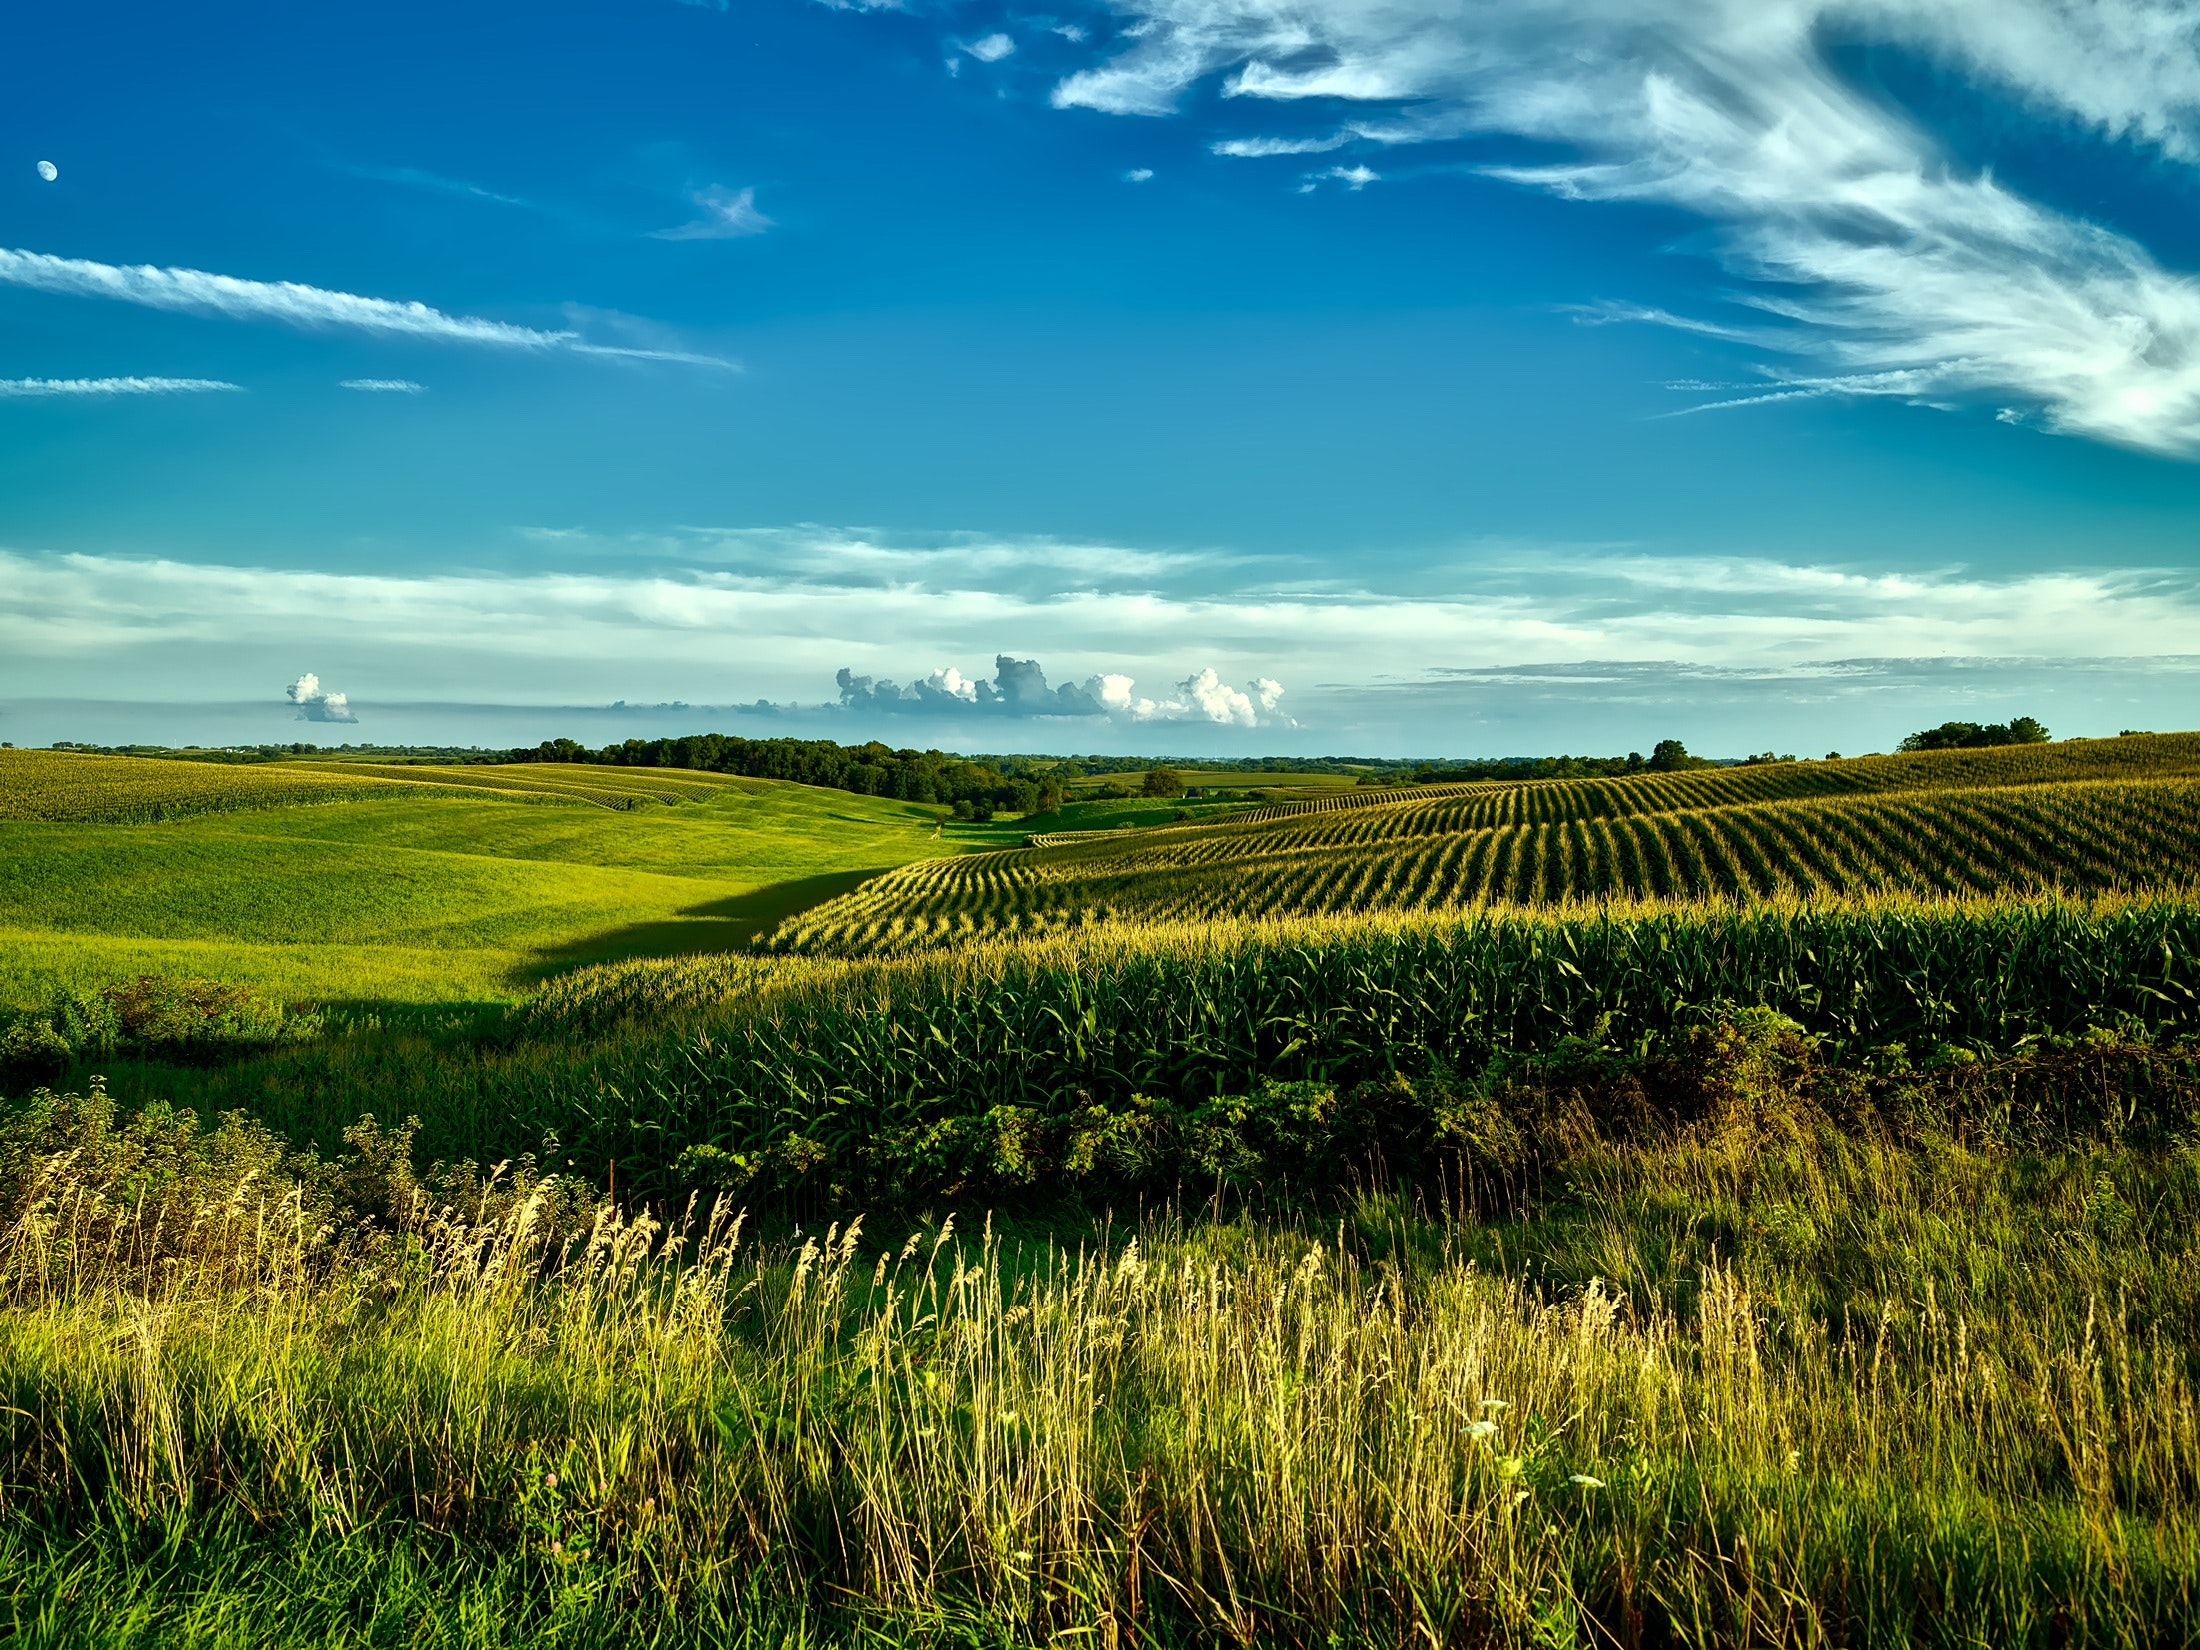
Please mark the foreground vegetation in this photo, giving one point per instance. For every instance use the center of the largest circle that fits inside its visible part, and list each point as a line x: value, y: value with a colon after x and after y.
x: 1756, y: 1375
x: 1760, y: 1269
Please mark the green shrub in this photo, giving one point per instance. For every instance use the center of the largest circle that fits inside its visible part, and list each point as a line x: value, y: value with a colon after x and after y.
x: 152, y: 1016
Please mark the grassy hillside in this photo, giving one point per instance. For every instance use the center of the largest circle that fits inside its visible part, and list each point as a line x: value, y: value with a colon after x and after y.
x: 405, y: 883
x: 2083, y: 816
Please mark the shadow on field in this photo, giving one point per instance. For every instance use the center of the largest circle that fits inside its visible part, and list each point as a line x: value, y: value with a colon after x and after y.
x: 720, y: 925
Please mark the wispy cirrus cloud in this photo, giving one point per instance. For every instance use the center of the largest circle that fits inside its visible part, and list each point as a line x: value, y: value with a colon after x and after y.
x: 291, y: 303
x: 311, y: 308
x: 1897, y: 260
x: 728, y: 214
x: 20, y: 388
x: 1261, y: 148
x: 383, y: 386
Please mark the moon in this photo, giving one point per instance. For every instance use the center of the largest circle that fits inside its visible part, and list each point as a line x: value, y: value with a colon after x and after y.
x: 48, y: 170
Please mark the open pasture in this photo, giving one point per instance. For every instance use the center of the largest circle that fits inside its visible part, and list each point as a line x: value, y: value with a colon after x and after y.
x: 406, y: 882
x: 2082, y: 817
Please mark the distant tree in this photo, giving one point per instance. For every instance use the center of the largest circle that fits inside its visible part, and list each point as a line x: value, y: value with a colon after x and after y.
x: 1023, y: 797
x: 1667, y: 755
x: 1959, y: 736
x: 1164, y: 782
x: 963, y: 809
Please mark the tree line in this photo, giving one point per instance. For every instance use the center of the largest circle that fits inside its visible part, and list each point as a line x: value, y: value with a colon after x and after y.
x: 973, y: 787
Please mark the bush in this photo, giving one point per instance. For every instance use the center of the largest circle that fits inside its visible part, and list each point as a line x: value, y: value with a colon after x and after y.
x: 184, y: 1020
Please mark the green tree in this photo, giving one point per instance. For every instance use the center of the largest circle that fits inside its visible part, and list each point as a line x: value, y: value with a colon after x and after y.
x: 1960, y: 736
x: 1669, y: 754
x: 1163, y: 782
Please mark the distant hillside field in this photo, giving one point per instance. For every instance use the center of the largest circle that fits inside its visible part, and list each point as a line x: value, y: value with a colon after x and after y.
x: 414, y: 883
x: 2082, y: 816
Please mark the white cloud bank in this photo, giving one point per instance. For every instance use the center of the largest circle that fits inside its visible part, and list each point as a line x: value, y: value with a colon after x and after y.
x: 750, y: 615
x: 1915, y: 277
x: 1019, y: 688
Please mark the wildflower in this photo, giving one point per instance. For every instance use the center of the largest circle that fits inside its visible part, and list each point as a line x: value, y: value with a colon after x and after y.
x: 1588, y: 1483
x: 1481, y: 1429
x: 549, y: 1480
x: 1023, y: 1555
x: 1495, y: 1403
x: 557, y: 1546
x: 1008, y: 1417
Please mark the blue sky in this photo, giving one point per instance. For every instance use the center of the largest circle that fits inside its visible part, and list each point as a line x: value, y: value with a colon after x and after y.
x: 1433, y: 376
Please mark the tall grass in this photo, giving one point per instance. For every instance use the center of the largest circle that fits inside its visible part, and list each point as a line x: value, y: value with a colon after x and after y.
x: 1757, y: 1380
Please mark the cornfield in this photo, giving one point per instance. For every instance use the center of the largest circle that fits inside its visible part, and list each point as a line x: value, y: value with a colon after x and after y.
x: 889, y: 1076
x: 1736, y: 833
x: 80, y: 787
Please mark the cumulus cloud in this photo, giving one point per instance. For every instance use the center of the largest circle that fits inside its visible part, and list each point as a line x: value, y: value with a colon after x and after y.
x: 21, y: 387
x: 1204, y: 696
x: 314, y: 705
x: 1019, y: 688
x: 1139, y: 174
x: 1898, y: 260
x: 383, y: 386
x: 728, y: 214
x: 990, y: 48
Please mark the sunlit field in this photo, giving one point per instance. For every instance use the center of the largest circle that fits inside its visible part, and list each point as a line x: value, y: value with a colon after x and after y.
x: 358, y: 882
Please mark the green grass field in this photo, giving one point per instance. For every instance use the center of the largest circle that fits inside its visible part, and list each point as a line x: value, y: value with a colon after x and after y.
x: 1746, y: 1206
x: 417, y: 883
